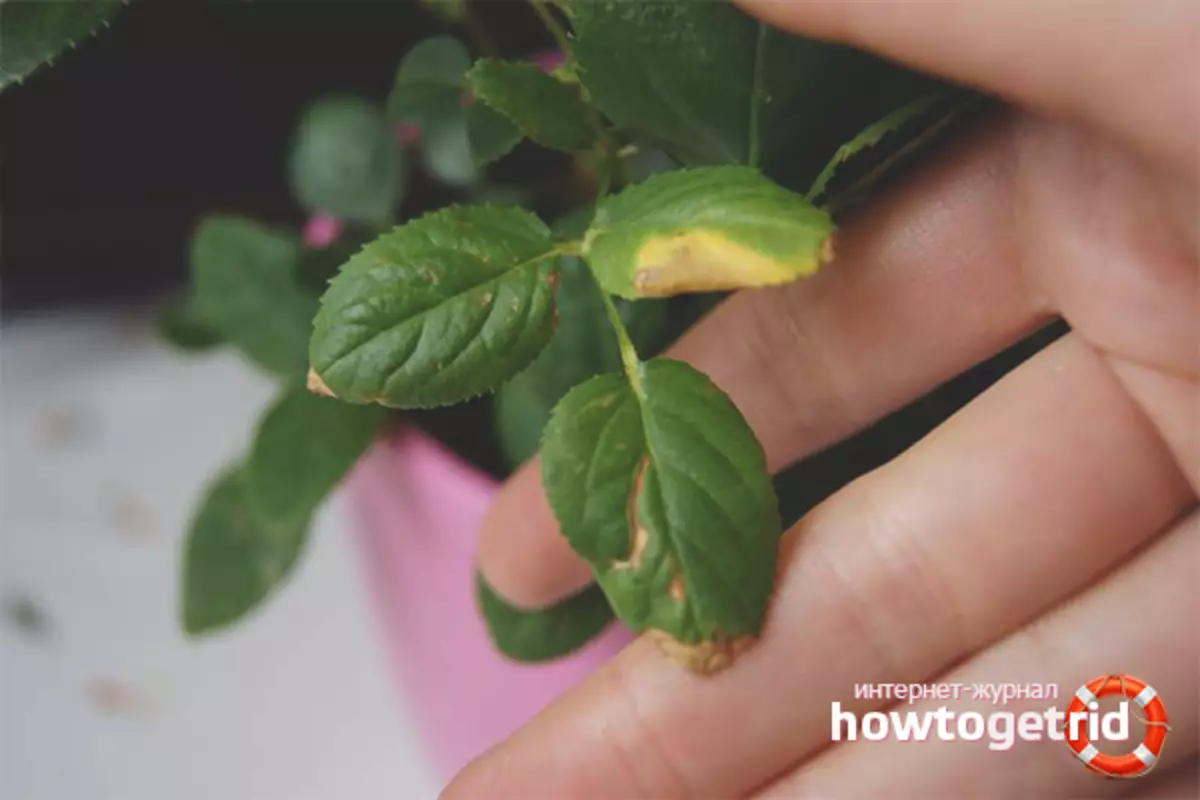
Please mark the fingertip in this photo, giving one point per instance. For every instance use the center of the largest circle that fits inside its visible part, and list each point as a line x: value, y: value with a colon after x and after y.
x: 521, y: 553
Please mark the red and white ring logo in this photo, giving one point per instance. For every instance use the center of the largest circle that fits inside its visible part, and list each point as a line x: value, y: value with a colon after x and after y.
x: 1145, y: 755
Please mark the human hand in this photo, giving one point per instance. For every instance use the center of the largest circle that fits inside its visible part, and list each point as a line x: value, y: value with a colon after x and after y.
x: 1045, y: 534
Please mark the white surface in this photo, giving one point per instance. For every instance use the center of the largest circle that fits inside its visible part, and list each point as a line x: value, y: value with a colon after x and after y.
x: 107, y: 439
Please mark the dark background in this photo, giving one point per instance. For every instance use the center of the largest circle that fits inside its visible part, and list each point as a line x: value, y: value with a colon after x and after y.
x: 109, y: 156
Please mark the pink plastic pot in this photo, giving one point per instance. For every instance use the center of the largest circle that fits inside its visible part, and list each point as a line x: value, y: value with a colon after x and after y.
x: 419, y: 508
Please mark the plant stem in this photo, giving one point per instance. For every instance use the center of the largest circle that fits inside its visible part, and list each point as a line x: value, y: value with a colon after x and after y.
x: 756, y: 92
x: 478, y: 33
x: 556, y: 30
x: 629, y: 356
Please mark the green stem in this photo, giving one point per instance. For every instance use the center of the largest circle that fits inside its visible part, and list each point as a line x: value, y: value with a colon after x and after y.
x: 756, y: 91
x: 478, y: 32
x: 556, y: 30
x: 629, y: 356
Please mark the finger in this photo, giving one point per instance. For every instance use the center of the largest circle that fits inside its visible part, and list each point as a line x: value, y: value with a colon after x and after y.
x: 1030, y: 492
x: 926, y: 283
x: 1139, y: 621
x: 1129, y: 68
x: 1179, y: 782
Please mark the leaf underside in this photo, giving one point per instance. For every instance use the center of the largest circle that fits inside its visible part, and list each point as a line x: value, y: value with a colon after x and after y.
x: 543, y: 634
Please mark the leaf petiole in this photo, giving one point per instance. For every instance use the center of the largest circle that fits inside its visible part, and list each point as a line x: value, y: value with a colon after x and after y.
x: 629, y: 356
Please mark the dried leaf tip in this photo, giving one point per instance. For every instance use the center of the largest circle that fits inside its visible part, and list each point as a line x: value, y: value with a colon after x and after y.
x: 702, y: 658
x: 317, y: 386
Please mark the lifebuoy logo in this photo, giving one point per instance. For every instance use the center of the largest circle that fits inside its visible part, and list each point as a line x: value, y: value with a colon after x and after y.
x: 1081, y: 725
x: 1081, y: 728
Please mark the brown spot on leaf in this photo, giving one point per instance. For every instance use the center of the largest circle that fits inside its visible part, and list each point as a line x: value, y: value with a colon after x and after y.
x: 676, y: 588
x: 702, y: 658
x: 828, y: 250
x: 639, y: 537
x: 485, y: 299
x: 317, y: 386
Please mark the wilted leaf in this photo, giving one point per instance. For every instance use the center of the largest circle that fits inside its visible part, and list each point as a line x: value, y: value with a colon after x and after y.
x: 705, y: 230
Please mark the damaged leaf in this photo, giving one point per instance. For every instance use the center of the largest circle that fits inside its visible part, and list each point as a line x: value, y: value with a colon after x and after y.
x: 702, y: 230
x: 438, y: 310
x: 661, y: 486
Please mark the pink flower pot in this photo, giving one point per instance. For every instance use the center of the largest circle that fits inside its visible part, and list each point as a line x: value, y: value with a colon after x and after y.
x: 418, y: 509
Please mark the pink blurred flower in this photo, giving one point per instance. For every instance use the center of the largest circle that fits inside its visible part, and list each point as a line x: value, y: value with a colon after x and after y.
x: 408, y: 133
x: 320, y: 231
x: 548, y: 60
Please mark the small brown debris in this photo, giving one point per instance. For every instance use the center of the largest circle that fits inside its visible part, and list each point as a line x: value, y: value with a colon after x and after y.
x: 317, y: 386
x: 130, y: 516
x: 485, y: 299
x: 828, y: 250
x: 113, y: 697
x: 63, y: 427
x: 676, y: 588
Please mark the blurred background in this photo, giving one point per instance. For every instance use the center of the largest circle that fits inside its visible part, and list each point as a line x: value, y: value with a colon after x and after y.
x: 109, y: 158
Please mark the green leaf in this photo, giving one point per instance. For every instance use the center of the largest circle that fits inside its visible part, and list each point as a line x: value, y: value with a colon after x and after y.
x: 430, y: 75
x: 232, y: 558
x: 705, y: 229
x: 303, y: 446
x: 492, y: 136
x: 244, y: 276
x: 35, y: 33
x: 545, y: 634
x: 663, y: 488
x: 711, y: 85
x: 583, y: 345
x: 345, y: 161
x: 869, y: 137
x: 446, y: 150
x: 541, y: 107
x: 183, y: 324
x: 438, y: 310
x: 882, y: 148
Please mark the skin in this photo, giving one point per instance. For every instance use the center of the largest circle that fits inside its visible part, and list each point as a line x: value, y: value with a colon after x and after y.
x: 1048, y: 532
